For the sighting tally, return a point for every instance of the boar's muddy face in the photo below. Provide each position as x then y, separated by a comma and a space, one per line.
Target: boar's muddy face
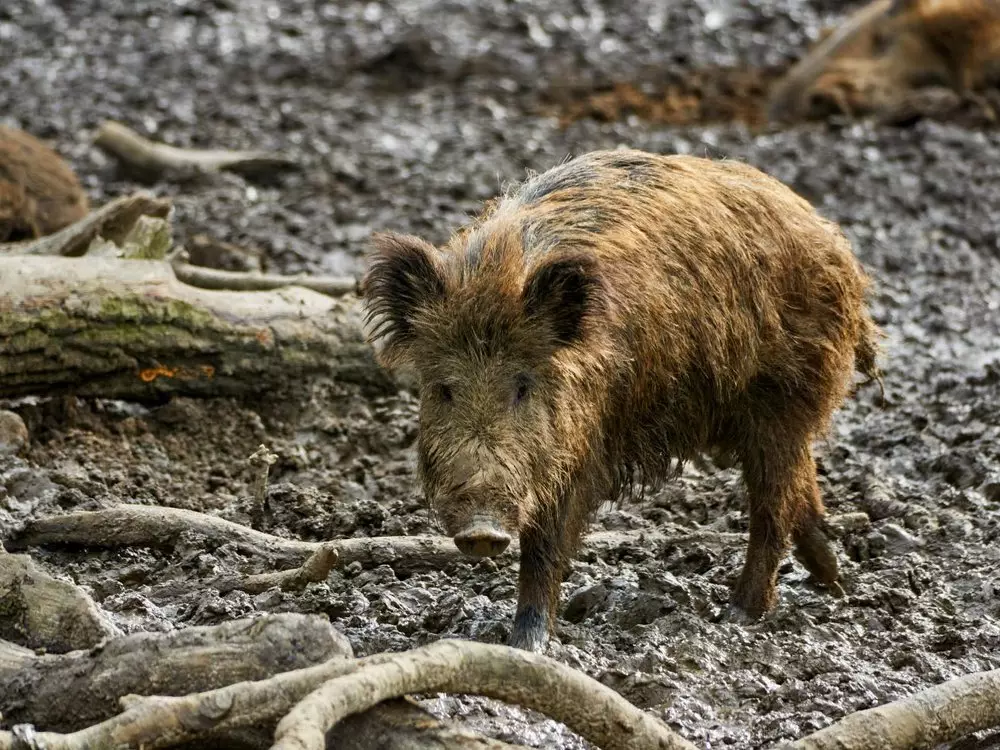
484, 333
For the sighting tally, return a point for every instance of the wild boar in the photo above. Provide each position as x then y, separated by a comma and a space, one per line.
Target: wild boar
606, 321
890, 49
39, 193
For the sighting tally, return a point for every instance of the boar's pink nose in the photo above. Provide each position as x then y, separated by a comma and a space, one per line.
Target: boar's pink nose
482, 538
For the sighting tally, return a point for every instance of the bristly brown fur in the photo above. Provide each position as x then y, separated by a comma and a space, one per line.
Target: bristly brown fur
888, 49
654, 308
39, 193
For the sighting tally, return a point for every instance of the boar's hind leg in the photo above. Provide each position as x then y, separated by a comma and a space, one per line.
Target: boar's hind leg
780, 476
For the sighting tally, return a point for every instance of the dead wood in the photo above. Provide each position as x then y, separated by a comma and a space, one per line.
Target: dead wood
315, 569
240, 709
592, 710
159, 527
129, 329
41, 612
926, 719
75, 690
211, 278
150, 159
113, 222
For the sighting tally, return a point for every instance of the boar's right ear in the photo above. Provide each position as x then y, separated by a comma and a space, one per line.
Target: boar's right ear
568, 293
401, 278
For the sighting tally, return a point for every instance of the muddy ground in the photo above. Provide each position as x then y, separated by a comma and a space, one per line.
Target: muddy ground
409, 114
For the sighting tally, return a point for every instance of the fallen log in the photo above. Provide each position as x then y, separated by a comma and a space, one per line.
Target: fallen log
129, 329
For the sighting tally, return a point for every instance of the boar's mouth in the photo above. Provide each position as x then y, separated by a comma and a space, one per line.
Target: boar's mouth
482, 537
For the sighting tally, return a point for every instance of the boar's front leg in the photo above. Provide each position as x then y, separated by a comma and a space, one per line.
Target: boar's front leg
547, 549
542, 568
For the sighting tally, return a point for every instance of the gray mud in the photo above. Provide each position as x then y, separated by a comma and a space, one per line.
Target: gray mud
407, 115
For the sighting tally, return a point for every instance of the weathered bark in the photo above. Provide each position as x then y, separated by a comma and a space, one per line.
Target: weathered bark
149, 159
112, 221
927, 719
315, 569
39, 611
70, 691
129, 329
592, 710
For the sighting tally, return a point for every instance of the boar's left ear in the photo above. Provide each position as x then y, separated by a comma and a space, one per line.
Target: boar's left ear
567, 292
402, 277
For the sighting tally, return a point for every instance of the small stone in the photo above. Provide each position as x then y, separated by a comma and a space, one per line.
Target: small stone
13, 433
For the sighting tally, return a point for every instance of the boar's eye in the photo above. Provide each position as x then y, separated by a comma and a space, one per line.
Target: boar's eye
522, 388
443, 392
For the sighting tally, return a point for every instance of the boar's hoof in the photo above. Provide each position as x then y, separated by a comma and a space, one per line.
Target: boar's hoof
530, 631
482, 538
735, 614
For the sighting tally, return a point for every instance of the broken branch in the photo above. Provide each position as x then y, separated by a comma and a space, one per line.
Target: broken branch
112, 221
158, 159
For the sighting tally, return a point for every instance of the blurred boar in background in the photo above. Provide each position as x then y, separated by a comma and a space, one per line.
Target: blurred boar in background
887, 51
606, 320
39, 193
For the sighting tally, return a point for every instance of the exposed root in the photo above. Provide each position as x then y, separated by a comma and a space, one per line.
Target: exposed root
212, 278
151, 159
33, 688
592, 710
261, 460
940, 714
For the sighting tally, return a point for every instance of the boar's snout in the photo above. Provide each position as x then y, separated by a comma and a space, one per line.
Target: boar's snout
483, 537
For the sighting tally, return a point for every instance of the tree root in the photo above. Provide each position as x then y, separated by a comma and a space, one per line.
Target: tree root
35, 689
315, 569
592, 710
153, 160
112, 221
211, 278
926, 719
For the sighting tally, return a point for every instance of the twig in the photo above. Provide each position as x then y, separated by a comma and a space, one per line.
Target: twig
113, 221
261, 460
592, 710
926, 719
150, 157
315, 569
213, 278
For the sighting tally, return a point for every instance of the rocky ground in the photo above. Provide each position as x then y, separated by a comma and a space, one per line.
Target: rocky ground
407, 116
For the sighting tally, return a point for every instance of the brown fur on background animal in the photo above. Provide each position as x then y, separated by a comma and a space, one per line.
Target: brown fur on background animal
620, 313
39, 193
889, 49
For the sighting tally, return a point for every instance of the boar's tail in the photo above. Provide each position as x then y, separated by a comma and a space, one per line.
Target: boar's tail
866, 355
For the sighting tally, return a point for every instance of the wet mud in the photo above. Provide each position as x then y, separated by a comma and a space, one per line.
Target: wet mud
407, 116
